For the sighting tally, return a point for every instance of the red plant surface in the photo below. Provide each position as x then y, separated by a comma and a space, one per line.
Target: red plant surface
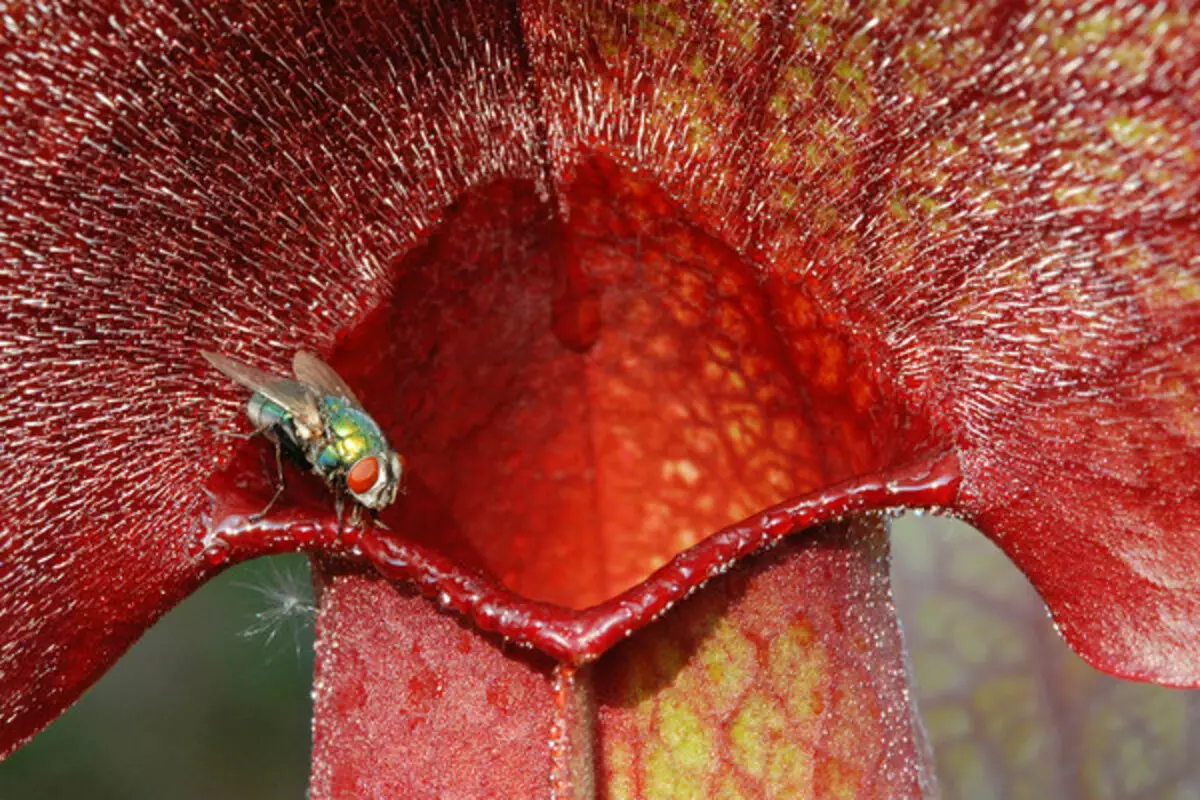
613, 279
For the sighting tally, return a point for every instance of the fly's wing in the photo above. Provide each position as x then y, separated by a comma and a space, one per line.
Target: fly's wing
312, 370
297, 398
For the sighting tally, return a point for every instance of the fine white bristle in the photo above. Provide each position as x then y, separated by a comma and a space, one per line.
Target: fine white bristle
288, 603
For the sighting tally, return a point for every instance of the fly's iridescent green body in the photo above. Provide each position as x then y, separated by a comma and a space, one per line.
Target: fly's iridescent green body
317, 419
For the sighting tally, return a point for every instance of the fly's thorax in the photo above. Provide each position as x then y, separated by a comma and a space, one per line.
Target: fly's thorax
350, 435
351, 431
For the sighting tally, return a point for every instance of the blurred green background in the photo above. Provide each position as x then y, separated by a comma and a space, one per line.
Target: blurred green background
1011, 711
203, 707
210, 704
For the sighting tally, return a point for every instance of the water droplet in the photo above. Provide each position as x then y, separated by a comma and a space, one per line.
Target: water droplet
216, 556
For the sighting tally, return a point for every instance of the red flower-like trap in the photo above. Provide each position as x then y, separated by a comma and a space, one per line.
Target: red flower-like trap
614, 280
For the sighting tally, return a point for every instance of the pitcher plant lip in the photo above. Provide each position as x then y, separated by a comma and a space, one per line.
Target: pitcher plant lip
570, 635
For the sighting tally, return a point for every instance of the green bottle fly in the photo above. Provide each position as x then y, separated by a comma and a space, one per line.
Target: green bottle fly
319, 421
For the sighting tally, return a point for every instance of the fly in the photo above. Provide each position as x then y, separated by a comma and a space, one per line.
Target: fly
319, 422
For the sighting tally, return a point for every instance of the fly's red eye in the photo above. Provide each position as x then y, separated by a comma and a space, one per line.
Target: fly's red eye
362, 475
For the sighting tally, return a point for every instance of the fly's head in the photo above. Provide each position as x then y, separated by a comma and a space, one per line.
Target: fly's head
375, 480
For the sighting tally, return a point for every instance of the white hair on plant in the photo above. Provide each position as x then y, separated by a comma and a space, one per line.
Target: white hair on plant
287, 594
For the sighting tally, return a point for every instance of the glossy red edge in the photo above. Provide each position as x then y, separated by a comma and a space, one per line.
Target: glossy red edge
577, 636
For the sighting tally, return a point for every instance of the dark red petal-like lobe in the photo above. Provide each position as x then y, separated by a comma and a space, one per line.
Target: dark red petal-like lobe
1002, 198
177, 179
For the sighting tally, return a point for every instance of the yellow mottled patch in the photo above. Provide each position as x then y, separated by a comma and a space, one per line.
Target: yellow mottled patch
1097, 27
728, 790
678, 759
785, 432
701, 136
1132, 58
721, 351
638, 688
790, 771
813, 35
1137, 132
850, 89
685, 538
833, 10
781, 481
1171, 287
755, 730
684, 469
1084, 35
659, 26
832, 363
841, 779
669, 658
797, 666
739, 20
795, 91
697, 105
779, 153
665, 781
933, 211
828, 153
925, 54
728, 659
619, 770
1182, 408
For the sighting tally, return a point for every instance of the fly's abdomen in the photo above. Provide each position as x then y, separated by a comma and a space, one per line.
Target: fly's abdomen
264, 414
279, 424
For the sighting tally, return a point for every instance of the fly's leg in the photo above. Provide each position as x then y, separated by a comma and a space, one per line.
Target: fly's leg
337, 504
377, 522
238, 434
279, 487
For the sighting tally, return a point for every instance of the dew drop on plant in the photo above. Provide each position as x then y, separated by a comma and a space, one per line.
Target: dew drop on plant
216, 556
